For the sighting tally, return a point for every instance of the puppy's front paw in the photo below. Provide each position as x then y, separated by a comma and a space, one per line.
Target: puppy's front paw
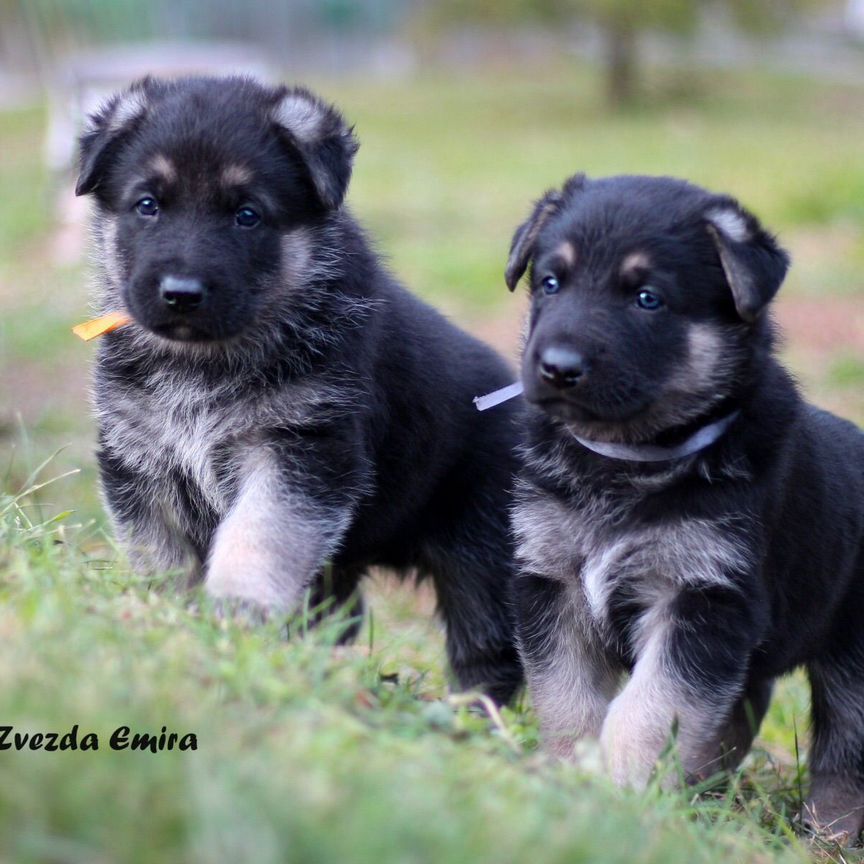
632, 742
241, 611
561, 745
626, 761
238, 573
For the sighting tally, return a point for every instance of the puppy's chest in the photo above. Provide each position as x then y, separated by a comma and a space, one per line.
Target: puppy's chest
613, 555
166, 436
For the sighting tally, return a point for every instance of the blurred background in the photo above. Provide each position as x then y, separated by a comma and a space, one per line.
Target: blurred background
466, 111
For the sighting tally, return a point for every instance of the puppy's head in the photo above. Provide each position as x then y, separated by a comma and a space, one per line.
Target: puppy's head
207, 189
648, 295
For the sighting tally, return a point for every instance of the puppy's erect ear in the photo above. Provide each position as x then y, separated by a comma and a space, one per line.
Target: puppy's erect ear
107, 128
523, 244
753, 262
320, 135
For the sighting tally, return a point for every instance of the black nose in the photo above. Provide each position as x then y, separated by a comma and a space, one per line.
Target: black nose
183, 294
561, 367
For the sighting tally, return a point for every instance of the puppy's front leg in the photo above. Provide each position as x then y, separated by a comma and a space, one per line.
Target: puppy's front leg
147, 519
275, 538
570, 677
692, 657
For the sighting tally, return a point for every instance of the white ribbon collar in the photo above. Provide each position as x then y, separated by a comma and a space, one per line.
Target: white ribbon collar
699, 440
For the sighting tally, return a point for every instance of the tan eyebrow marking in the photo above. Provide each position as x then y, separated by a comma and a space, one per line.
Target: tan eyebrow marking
567, 253
635, 261
163, 167
235, 175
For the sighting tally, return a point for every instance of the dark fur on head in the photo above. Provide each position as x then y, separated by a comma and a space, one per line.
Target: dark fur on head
643, 372
203, 153
280, 405
704, 576
296, 119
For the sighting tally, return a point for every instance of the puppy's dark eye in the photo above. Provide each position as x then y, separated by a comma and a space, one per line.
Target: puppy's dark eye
147, 206
647, 299
246, 217
550, 284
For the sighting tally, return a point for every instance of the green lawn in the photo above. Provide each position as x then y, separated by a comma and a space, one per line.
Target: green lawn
312, 753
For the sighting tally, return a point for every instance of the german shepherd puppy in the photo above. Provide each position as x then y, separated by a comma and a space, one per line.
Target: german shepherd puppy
279, 406
683, 516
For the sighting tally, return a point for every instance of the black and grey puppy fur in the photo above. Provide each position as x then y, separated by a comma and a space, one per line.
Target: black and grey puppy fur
706, 576
281, 410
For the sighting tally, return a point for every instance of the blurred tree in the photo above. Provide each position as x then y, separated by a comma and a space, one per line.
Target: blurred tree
621, 22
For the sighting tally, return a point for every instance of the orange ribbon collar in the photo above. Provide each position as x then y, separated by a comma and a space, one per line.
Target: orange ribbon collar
99, 326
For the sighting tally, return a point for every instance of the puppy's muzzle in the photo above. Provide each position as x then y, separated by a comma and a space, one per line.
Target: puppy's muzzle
561, 367
181, 294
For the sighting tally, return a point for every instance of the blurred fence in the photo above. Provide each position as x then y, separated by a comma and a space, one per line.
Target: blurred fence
35, 32
79, 51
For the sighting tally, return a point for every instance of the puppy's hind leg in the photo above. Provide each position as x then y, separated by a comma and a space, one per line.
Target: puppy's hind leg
836, 803
336, 597
472, 575
480, 642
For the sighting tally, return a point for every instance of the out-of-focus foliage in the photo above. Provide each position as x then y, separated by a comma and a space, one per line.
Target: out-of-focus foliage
677, 16
768, 16
446, 12
621, 22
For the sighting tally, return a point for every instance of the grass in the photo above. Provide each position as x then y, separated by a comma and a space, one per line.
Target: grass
24, 217
309, 752
305, 752
789, 149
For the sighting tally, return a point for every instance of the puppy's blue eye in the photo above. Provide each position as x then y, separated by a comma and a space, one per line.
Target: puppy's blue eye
246, 217
550, 284
647, 299
147, 206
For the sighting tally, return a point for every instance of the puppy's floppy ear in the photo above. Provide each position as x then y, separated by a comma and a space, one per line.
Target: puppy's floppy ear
107, 128
753, 262
318, 132
524, 240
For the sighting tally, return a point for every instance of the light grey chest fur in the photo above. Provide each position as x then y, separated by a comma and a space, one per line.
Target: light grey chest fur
596, 547
164, 431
